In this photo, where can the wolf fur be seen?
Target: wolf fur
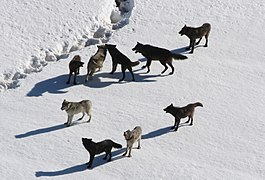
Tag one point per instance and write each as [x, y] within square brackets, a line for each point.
[96, 61]
[194, 33]
[73, 108]
[119, 58]
[74, 67]
[182, 112]
[96, 148]
[131, 137]
[155, 53]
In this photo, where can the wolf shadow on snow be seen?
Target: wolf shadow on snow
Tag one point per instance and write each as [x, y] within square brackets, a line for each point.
[47, 129]
[56, 85]
[98, 161]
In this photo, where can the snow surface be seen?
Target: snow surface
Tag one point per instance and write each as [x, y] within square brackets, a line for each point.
[39, 38]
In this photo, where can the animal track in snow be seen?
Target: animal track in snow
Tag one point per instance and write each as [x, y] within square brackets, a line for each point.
[99, 32]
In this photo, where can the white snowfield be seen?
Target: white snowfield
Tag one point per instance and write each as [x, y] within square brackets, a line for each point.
[39, 38]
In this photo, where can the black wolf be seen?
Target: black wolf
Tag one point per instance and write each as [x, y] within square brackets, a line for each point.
[194, 33]
[119, 58]
[182, 112]
[155, 53]
[74, 67]
[96, 148]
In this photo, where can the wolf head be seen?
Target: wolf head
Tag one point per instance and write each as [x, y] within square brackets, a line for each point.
[183, 30]
[138, 47]
[127, 134]
[86, 140]
[65, 105]
[76, 58]
[110, 46]
[86, 143]
[102, 48]
[169, 108]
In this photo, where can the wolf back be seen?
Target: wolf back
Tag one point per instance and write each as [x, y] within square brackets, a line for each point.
[99, 147]
[164, 56]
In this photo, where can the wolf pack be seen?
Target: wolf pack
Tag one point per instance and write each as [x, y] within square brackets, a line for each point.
[151, 53]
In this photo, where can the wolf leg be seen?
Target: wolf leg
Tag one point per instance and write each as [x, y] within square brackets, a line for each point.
[123, 73]
[69, 120]
[139, 145]
[206, 43]
[188, 48]
[148, 64]
[69, 78]
[188, 120]
[197, 43]
[75, 73]
[90, 116]
[192, 46]
[172, 67]
[91, 73]
[130, 69]
[125, 152]
[177, 124]
[90, 161]
[109, 156]
[165, 65]
[81, 117]
[106, 155]
[114, 67]
[191, 122]
[174, 126]
[130, 151]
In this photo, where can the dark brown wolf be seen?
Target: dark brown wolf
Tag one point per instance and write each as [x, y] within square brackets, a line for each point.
[119, 58]
[96, 148]
[96, 61]
[74, 67]
[182, 112]
[194, 33]
[155, 53]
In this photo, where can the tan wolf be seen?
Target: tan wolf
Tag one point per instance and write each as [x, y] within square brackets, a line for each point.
[73, 108]
[131, 137]
[120, 58]
[96, 148]
[155, 53]
[194, 33]
[96, 61]
[74, 67]
[182, 112]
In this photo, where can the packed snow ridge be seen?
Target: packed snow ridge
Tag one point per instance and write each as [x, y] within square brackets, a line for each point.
[99, 32]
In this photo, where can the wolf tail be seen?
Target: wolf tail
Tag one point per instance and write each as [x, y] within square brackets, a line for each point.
[135, 63]
[198, 104]
[116, 145]
[179, 56]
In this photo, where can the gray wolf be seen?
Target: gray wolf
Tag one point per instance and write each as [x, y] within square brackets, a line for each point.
[120, 58]
[194, 33]
[96, 148]
[155, 53]
[182, 112]
[96, 61]
[74, 67]
[131, 137]
[73, 108]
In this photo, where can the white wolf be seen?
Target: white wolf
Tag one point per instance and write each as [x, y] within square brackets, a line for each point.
[131, 137]
[73, 108]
